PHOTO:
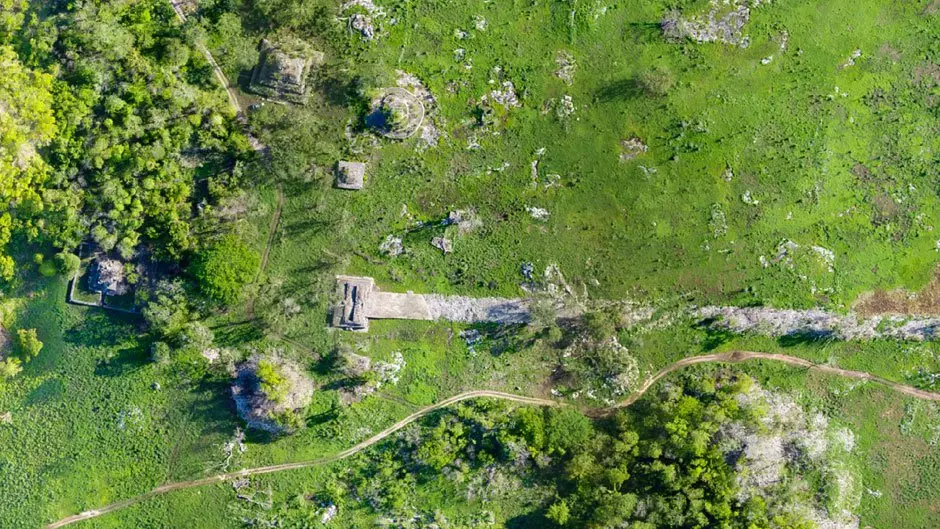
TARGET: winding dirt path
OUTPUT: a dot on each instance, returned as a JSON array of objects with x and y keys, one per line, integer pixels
[
  {"x": 219, "y": 74},
  {"x": 728, "y": 357}
]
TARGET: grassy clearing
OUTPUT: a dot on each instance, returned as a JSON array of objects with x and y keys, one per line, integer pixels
[{"x": 87, "y": 428}]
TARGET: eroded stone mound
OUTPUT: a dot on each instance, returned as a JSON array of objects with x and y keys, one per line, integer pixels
[
  {"x": 270, "y": 392},
  {"x": 396, "y": 113}
]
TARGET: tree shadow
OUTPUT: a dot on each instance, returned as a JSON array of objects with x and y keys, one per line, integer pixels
[
  {"x": 125, "y": 361},
  {"x": 217, "y": 414},
  {"x": 238, "y": 333},
  {"x": 99, "y": 327},
  {"x": 807, "y": 337},
  {"x": 619, "y": 90},
  {"x": 532, "y": 520},
  {"x": 715, "y": 336},
  {"x": 336, "y": 91}
]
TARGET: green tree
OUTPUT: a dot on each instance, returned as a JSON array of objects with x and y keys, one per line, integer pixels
[
  {"x": 558, "y": 512},
  {"x": 166, "y": 309},
  {"x": 28, "y": 344},
  {"x": 271, "y": 381},
  {"x": 224, "y": 268},
  {"x": 9, "y": 368},
  {"x": 566, "y": 430},
  {"x": 68, "y": 263}
]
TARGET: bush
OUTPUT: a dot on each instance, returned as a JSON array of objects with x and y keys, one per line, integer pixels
[
  {"x": 9, "y": 368},
  {"x": 224, "y": 268},
  {"x": 600, "y": 325},
  {"x": 48, "y": 268},
  {"x": 160, "y": 353},
  {"x": 656, "y": 82},
  {"x": 28, "y": 344},
  {"x": 68, "y": 263}
]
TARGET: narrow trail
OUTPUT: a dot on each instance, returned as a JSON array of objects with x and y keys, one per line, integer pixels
[
  {"x": 272, "y": 232},
  {"x": 219, "y": 74},
  {"x": 728, "y": 357}
]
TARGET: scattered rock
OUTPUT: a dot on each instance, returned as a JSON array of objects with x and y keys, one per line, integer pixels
[
  {"x": 565, "y": 107},
  {"x": 505, "y": 96},
  {"x": 527, "y": 270},
  {"x": 818, "y": 323},
  {"x": 718, "y": 221},
  {"x": 328, "y": 513},
  {"x": 392, "y": 246},
  {"x": 6, "y": 418},
  {"x": 480, "y": 23},
  {"x": 724, "y": 23},
  {"x": 364, "y": 23},
  {"x": 631, "y": 148},
  {"x": 466, "y": 220},
  {"x": 748, "y": 199},
  {"x": 851, "y": 60},
  {"x": 566, "y": 67},
  {"x": 443, "y": 244},
  {"x": 538, "y": 213}
]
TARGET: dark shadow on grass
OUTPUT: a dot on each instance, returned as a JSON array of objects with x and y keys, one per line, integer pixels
[
  {"x": 236, "y": 333},
  {"x": 216, "y": 414},
  {"x": 125, "y": 361},
  {"x": 807, "y": 337},
  {"x": 620, "y": 90},
  {"x": 101, "y": 328}
]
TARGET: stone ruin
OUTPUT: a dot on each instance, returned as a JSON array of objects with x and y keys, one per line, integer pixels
[
  {"x": 261, "y": 411},
  {"x": 282, "y": 72},
  {"x": 358, "y": 300},
  {"x": 350, "y": 175},
  {"x": 107, "y": 277},
  {"x": 723, "y": 22},
  {"x": 396, "y": 113}
]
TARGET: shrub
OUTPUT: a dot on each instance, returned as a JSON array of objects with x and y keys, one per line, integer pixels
[
  {"x": 28, "y": 344},
  {"x": 160, "y": 353},
  {"x": 68, "y": 263},
  {"x": 656, "y": 82}
]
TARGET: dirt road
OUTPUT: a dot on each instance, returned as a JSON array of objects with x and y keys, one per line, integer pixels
[{"x": 728, "y": 357}]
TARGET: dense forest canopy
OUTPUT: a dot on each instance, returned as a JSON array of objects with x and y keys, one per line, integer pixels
[{"x": 124, "y": 116}]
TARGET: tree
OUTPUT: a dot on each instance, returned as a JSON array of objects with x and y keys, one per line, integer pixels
[
  {"x": 160, "y": 353},
  {"x": 600, "y": 325},
  {"x": 558, "y": 512},
  {"x": 68, "y": 263},
  {"x": 567, "y": 429},
  {"x": 26, "y": 122},
  {"x": 28, "y": 344},
  {"x": 271, "y": 381},
  {"x": 166, "y": 309},
  {"x": 223, "y": 269},
  {"x": 10, "y": 367}
]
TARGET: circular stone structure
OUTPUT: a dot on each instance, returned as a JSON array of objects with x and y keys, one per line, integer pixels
[{"x": 396, "y": 113}]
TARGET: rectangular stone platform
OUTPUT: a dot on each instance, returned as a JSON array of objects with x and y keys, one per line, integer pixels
[{"x": 359, "y": 300}]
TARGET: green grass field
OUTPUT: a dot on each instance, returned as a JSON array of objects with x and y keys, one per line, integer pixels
[{"x": 742, "y": 157}]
